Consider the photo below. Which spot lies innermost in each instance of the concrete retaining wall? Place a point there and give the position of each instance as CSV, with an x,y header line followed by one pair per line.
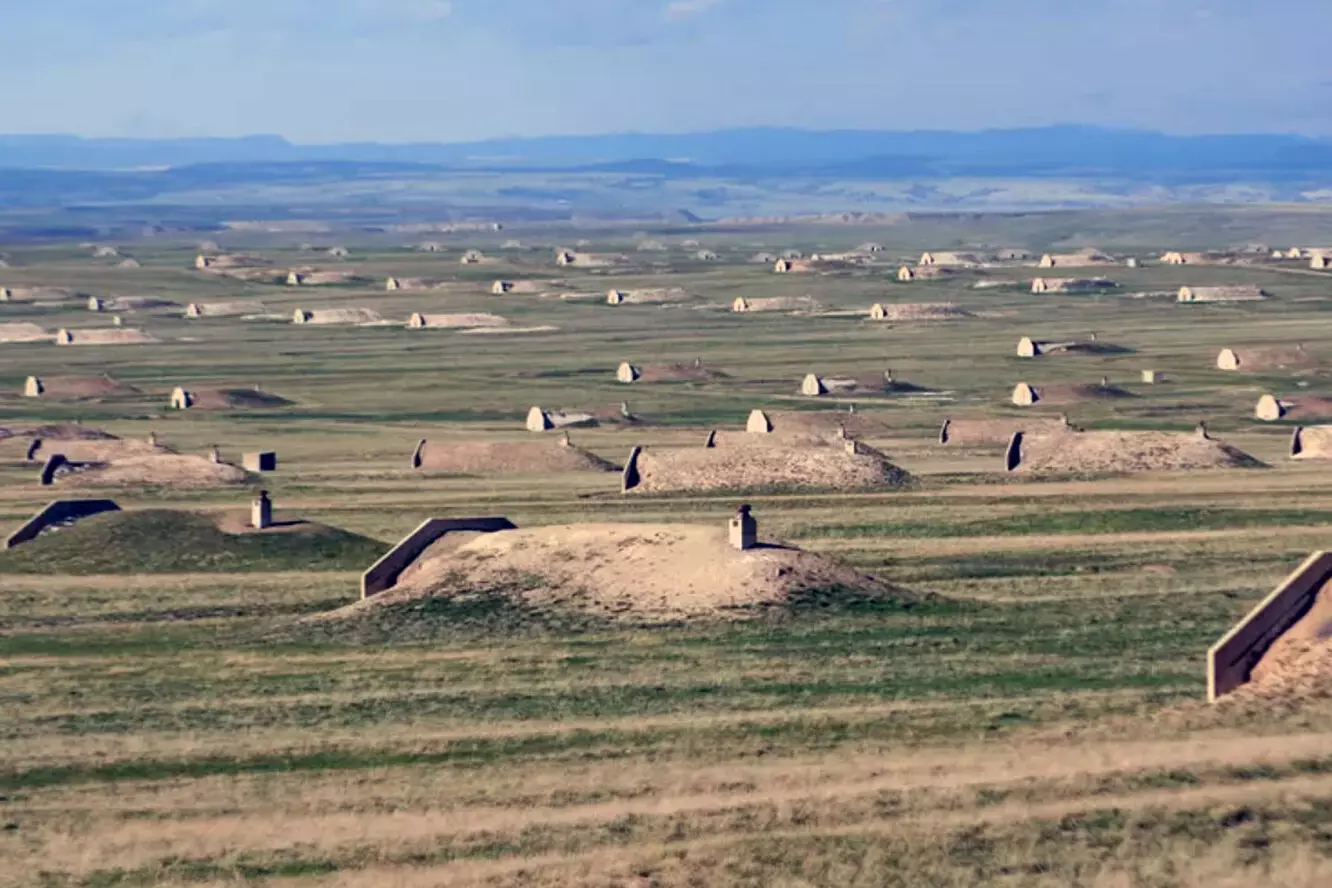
x,y
1231,660
59,512
384,573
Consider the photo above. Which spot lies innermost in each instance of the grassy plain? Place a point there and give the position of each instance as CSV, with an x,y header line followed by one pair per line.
x,y
1037,723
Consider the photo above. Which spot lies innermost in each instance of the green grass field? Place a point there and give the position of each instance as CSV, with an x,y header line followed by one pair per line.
x,y
1038,719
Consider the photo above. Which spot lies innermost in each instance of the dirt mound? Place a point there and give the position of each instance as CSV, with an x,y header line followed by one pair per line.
x,y
1294,674
325,316
1126,451
864,384
823,425
777,303
1071,285
500,288
812,466
635,574
310,277
680,373
112,336
235,308
656,296
503,457
234,399
138,464
74,388
171,470
168,541
22,331
132,303
1221,294
455,321
229,261
1313,628
1314,442
924,311
409,284
906,274
1261,359
1298,666
1302,407
977,432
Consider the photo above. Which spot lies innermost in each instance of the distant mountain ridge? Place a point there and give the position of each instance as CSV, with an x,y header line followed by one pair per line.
x,y
1062,150
61,183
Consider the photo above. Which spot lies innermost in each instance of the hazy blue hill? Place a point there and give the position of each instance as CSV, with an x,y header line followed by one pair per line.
x,y
741,172
771,150
73,152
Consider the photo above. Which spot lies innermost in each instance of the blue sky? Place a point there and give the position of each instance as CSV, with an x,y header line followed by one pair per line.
x,y
451,70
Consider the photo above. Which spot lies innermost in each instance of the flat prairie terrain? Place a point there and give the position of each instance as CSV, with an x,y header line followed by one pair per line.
x,y
1033,715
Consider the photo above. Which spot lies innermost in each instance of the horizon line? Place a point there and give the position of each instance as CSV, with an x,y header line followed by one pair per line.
x,y
610,134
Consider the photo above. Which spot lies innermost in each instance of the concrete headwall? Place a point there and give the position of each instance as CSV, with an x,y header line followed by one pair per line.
x,y
384,573
59,512
53,463
1013,455
1231,660
263,461
631,477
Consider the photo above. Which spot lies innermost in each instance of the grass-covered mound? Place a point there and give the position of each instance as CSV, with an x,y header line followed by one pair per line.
x,y
166,541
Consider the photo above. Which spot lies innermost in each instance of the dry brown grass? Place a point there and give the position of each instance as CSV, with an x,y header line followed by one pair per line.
x,y
705,816
1039,727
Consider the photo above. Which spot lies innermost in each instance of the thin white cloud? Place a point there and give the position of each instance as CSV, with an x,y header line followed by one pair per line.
x,y
678,9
